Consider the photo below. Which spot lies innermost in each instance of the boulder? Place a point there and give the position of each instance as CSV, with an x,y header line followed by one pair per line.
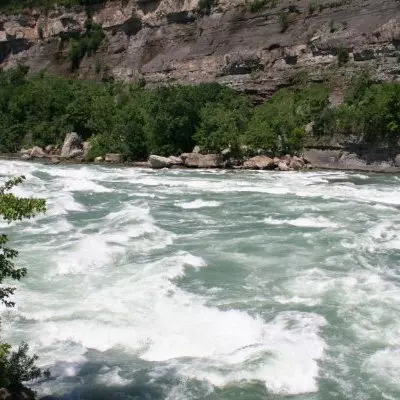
x,y
286,159
282,166
25,157
397,161
76,153
175,160
140,164
158,162
37,152
49,149
55,160
259,162
86,147
25,151
296,163
276,161
72,142
113,158
195,160
99,159
196,150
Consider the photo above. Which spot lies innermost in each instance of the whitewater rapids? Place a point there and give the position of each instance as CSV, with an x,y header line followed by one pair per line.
x,y
184,285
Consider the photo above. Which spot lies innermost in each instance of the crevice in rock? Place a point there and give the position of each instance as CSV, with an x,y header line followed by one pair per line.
x,y
130,27
181,17
14,46
274,46
291,60
148,6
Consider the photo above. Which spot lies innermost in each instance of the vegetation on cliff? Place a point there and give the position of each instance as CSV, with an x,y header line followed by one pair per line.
x,y
136,121
133,120
370,110
87,43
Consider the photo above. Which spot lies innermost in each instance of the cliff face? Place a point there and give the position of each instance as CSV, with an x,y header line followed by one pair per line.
x,y
165,41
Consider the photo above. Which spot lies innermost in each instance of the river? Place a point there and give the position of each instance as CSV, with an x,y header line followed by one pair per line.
x,y
184,284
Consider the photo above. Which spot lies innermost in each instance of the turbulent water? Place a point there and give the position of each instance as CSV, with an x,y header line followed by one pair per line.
x,y
183,285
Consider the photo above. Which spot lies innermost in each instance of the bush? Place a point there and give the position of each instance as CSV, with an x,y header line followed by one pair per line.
x,y
275,126
136,122
314,6
204,6
222,126
283,19
86,44
343,56
256,5
358,87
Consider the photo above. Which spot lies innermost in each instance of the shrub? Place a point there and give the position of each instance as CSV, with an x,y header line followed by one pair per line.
x,y
222,126
204,6
313,6
343,56
86,44
275,126
256,5
359,85
283,19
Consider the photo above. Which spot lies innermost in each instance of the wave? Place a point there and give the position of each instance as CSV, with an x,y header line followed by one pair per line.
x,y
198,203
303,222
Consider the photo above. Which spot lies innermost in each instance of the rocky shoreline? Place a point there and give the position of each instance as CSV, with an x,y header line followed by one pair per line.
x,y
76,151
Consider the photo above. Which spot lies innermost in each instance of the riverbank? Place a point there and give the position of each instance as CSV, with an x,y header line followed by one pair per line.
x,y
318,160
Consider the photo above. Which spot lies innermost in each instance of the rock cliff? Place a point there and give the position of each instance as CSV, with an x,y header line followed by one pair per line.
x,y
175,41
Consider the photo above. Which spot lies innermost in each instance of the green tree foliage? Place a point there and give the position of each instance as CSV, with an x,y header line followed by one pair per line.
x,y
15,366
86,44
13,208
223,124
359,85
371,111
18,366
135,121
278,125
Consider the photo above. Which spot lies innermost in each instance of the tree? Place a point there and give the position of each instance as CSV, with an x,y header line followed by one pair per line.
x,y
222,126
277,125
18,366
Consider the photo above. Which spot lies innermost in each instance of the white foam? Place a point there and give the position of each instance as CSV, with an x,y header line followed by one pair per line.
x,y
113,283
147,314
112,378
303,222
384,365
285,358
198,203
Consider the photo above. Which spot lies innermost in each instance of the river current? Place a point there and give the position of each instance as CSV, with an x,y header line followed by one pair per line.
x,y
184,285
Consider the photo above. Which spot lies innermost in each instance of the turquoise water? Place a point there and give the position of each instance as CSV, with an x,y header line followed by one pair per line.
x,y
210,284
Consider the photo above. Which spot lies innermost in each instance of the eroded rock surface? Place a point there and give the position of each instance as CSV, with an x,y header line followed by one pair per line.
x,y
163,41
